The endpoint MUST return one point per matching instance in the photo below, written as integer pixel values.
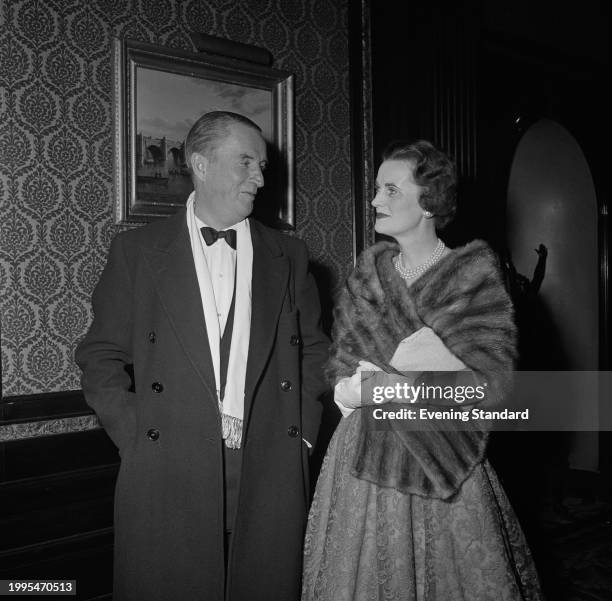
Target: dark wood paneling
(454, 89)
(403, 66)
(424, 81)
(56, 499)
(86, 558)
(30, 458)
(35, 407)
(361, 123)
(35, 510)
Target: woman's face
(397, 199)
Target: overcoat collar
(171, 262)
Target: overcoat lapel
(269, 286)
(174, 275)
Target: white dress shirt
(221, 263)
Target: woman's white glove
(347, 393)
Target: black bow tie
(211, 235)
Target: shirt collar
(237, 226)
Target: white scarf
(232, 407)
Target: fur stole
(463, 300)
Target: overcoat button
(152, 337)
(294, 340)
(153, 434)
(293, 431)
(157, 387)
(285, 385)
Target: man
(215, 424)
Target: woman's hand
(347, 393)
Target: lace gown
(367, 542)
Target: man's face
(232, 175)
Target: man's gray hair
(209, 130)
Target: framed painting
(159, 93)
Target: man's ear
(199, 166)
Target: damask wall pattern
(56, 151)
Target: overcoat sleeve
(315, 346)
(104, 354)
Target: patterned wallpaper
(56, 151)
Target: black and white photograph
(305, 300)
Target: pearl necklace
(414, 272)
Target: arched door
(551, 200)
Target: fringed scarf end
(231, 431)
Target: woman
(416, 514)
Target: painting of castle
(161, 171)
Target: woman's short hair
(434, 172)
(209, 130)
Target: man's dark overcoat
(169, 529)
